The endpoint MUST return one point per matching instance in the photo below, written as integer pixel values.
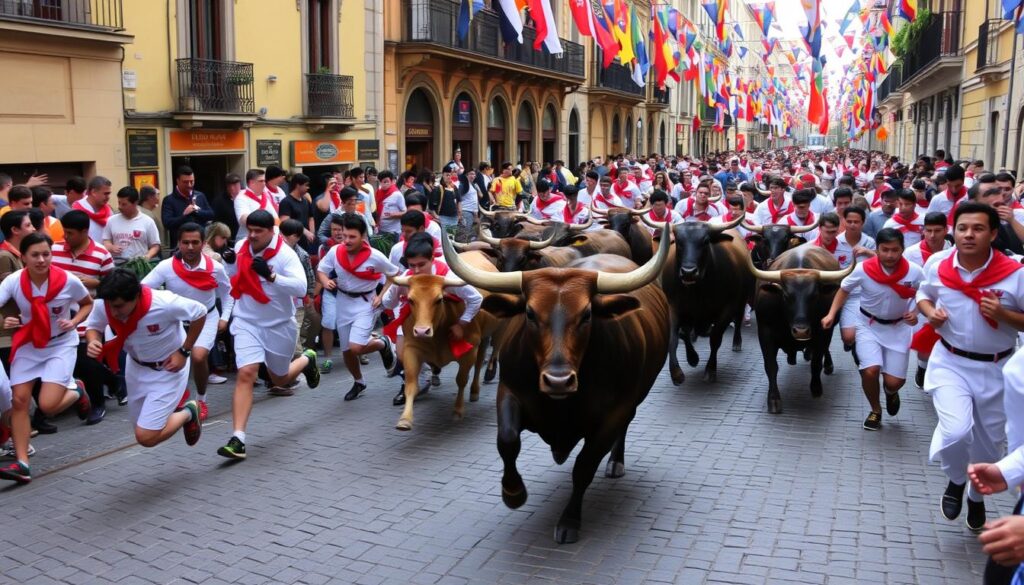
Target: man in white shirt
(699, 207)
(776, 207)
(907, 220)
(392, 209)
(94, 204)
(193, 275)
(802, 215)
(130, 233)
(265, 279)
(888, 284)
(973, 297)
(955, 194)
(252, 198)
(933, 241)
(593, 187)
(605, 199)
(358, 269)
(275, 177)
(548, 206)
(626, 191)
(660, 213)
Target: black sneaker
(311, 371)
(975, 515)
(873, 422)
(235, 449)
(357, 388)
(387, 353)
(892, 403)
(40, 424)
(435, 380)
(919, 378)
(952, 501)
(96, 415)
(399, 399)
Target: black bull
(791, 299)
(585, 345)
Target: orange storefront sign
(207, 140)
(318, 152)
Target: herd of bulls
(582, 320)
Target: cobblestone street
(716, 491)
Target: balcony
(888, 90)
(988, 43)
(937, 55)
(709, 115)
(219, 88)
(660, 97)
(329, 96)
(99, 15)
(435, 23)
(616, 80)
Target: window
(318, 36)
(206, 33)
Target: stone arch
(439, 136)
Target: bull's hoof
(807, 354)
(514, 499)
(737, 347)
(490, 373)
(791, 358)
(404, 424)
(692, 358)
(560, 455)
(710, 376)
(774, 406)
(816, 390)
(614, 469)
(567, 531)
(677, 375)
(828, 368)
(457, 415)
(474, 396)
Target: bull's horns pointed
(623, 282)
(717, 228)
(499, 282)
(803, 229)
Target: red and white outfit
(357, 279)
(843, 251)
(793, 221)
(604, 202)
(768, 213)
(628, 194)
(968, 394)
(39, 349)
(920, 254)
(729, 218)
(152, 333)
(97, 217)
(911, 228)
(687, 210)
(264, 312)
(670, 215)
(947, 202)
(397, 297)
(93, 262)
(205, 283)
(550, 210)
(398, 251)
(874, 196)
(886, 296)
(247, 202)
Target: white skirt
(50, 364)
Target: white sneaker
(215, 379)
(7, 450)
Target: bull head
(693, 245)
(777, 238)
(426, 299)
(512, 253)
(504, 222)
(559, 305)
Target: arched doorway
(497, 119)
(464, 128)
(524, 128)
(662, 144)
(616, 135)
(574, 139)
(419, 132)
(549, 134)
(628, 132)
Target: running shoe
(16, 471)
(311, 372)
(193, 428)
(39, 423)
(364, 360)
(235, 449)
(354, 392)
(919, 377)
(892, 403)
(325, 366)
(873, 422)
(387, 353)
(96, 415)
(281, 391)
(7, 450)
(215, 379)
(204, 411)
(975, 516)
(82, 406)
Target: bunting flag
(642, 65)
(466, 11)
(1014, 10)
(812, 10)
(510, 21)
(764, 15)
(816, 106)
(908, 9)
(620, 19)
(549, 31)
(850, 15)
(583, 16)
(605, 39)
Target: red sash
(542, 205)
(457, 347)
(808, 221)
(247, 282)
(335, 199)
(608, 204)
(37, 330)
(689, 212)
(350, 265)
(926, 252)
(99, 217)
(778, 213)
(569, 215)
(876, 201)
(832, 249)
(960, 196)
(199, 279)
(873, 268)
(122, 329)
(907, 225)
(998, 269)
(262, 200)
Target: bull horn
(450, 280)
(461, 247)
(651, 223)
(715, 199)
(485, 235)
(609, 283)
(757, 229)
(487, 213)
(531, 219)
(579, 227)
(400, 280)
(498, 282)
(636, 212)
(803, 229)
(834, 276)
(765, 275)
(596, 211)
(718, 228)
(543, 244)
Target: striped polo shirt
(95, 261)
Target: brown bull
(432, 313)
(584, 345)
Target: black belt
(879, 319)
(355, 295)
(158, 366)
(61, 334)
(211, 309)
(978, 357)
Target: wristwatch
(184, 352)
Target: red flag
(741, 142)
(660, 66)
(539, 22)
(604, 38)
(696, 122)
(583, 15)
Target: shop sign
(368, 149)
(316, 152)
(417, 132)
(463, 112)
(143, 150)
(268, 152)
(207, 140)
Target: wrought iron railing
(988, 42)
(890, 84)
(436, 22)
(617, 76)
(329, 96)
(661, 96)
(91, 14)
(940, 38)
(205, 85)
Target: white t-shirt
(394, 203)
(245, 203)
(59, 307)
(159, 332)
(134, 235)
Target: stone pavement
(716, 491)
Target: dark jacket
(172, 211)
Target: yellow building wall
(152, 54)
(974, 118)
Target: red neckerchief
(122, 329)
(541, 204)
(1016, 205)
(199, 279)
(426, 223)
(247, 282)
(7, 246)
(569, 215)
(960, 195)
(873, 268)
(777, 213)
(907, 225)
(437, 246)
(350, 265)
(600, 199)
(999, 268)
(262, 200)
(808, 221)
(335, 198)
(37, 330)
(615, 190)
(689, 212)
(752, 207)
(832, 249)
(655, 218)
(99, 217)
(457, 347)
(926, 252)
(876, 200)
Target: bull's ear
(771, 287)
(721, 237)
(504, 306)
(611, 306)
(575, 240)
